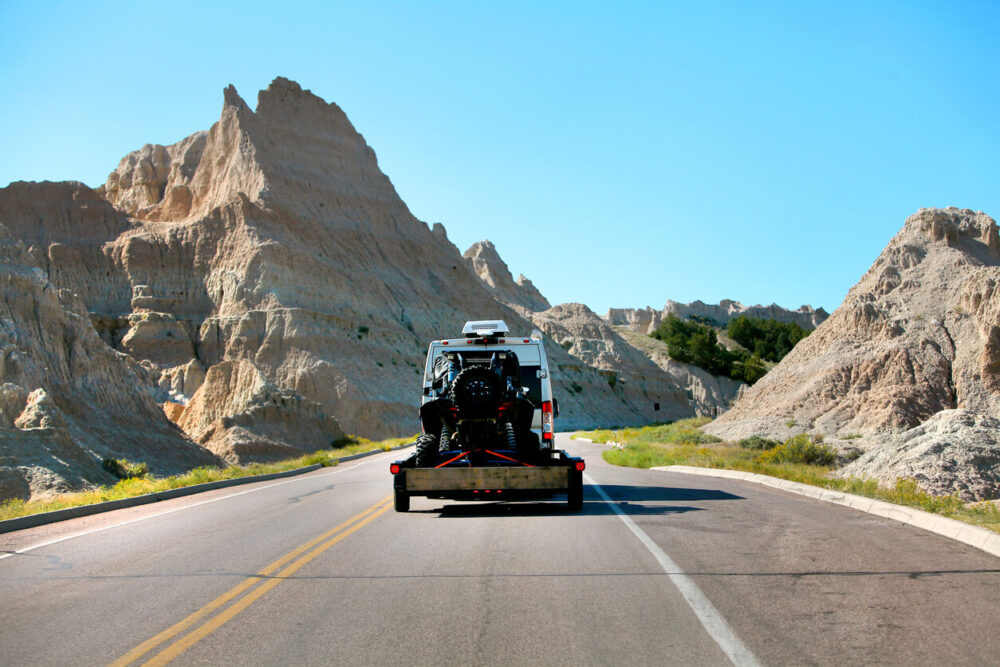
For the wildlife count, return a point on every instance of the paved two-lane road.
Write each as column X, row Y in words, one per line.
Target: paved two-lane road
column 318, row 569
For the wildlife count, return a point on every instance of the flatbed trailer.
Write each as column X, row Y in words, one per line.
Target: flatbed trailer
column 489, row 475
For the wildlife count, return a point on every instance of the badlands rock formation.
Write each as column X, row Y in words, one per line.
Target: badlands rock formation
column 67, row 400
column 271, row 287
column 492, row 270
column 653, row 386
column 911, row 360
column 649, row 393
column 645, row 320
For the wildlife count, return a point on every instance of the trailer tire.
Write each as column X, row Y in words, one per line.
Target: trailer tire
column 574, row 496
column 401, row 501
column 427, row 450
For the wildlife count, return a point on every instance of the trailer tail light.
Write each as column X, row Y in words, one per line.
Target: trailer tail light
column 394, row 468
column 580, row 466
column 547, row 421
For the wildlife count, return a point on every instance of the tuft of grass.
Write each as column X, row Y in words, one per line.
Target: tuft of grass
column 125, row 469
column 758, row 443
column 801, row 460
column 800, row 449
column 141, row 485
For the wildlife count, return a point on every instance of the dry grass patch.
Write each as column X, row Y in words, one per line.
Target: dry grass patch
column 130, row 487
column 799, row 459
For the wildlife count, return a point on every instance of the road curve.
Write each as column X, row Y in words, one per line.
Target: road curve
column 319, row 570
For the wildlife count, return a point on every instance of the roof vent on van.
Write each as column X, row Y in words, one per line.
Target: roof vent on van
column 479, row 328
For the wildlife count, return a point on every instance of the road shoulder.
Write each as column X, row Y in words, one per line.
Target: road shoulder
column 980, row 538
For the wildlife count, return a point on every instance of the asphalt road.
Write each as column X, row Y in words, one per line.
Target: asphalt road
column 319, row 569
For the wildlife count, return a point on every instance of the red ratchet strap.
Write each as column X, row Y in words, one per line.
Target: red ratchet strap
column 508, row 458
column 461, row 454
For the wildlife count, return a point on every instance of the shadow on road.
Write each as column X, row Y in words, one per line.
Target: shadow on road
column 629, row 499
column 551, row 508
column 620, row 492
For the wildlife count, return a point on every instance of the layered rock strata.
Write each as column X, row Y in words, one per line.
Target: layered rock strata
column 67, row 400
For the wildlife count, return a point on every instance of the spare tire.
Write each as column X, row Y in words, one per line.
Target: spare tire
column 476, row 391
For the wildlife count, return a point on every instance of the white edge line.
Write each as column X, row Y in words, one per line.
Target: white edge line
column 186, row 507
column 713, row 622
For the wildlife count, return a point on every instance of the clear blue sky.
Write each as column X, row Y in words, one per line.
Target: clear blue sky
column 617, row 153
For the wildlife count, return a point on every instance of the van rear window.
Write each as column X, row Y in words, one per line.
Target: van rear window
column 530, row 379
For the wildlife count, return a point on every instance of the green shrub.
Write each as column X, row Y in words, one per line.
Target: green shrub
column 758, row 443
column 800, row 449
column 694, row 343
column 749, row 369
column 125, row 469
column 767, row 339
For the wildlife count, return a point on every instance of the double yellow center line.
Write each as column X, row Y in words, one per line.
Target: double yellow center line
column 290, row 563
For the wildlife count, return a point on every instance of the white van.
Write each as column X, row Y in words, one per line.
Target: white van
column 480, row 342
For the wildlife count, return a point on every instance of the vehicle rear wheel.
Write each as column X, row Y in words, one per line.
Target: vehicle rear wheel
column 401, row 501
column 427, row 450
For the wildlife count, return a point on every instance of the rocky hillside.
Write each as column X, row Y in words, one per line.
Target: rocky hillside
column 654, row 393
column 910, row 361
column 645, row 320
column 67, row 400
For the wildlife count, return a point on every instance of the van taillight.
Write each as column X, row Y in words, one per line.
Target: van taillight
column 547, row 421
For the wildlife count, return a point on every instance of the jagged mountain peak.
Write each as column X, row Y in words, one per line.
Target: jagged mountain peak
column 294, row 144
column 485, row 262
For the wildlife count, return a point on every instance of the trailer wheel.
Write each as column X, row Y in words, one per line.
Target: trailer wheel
column 401, row 501
column 574, row 496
